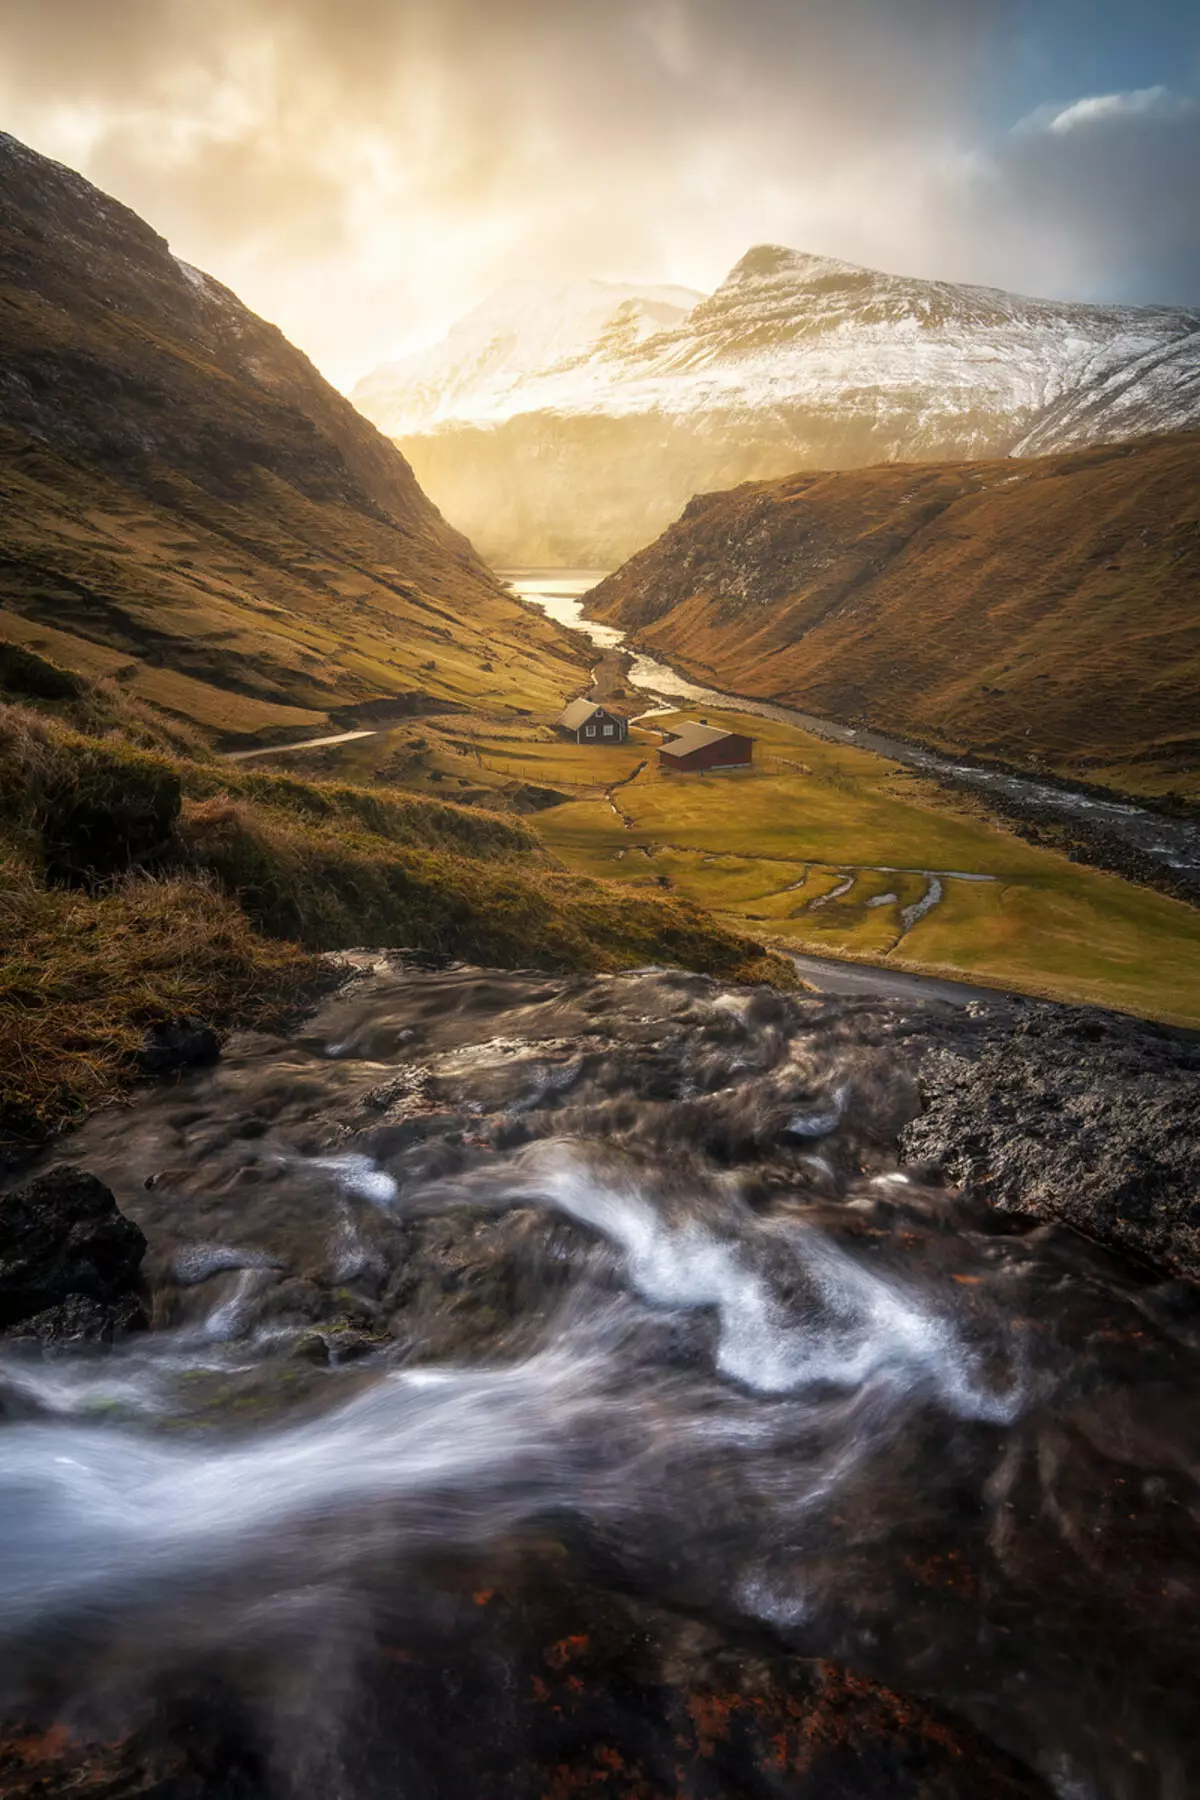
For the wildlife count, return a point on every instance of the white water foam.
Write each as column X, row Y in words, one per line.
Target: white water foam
column 862, row 1323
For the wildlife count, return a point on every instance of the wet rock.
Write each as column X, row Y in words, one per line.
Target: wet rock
column 479, row 1285
column 81, row 1322
column 514, row 1682
column 1063, row 1113
column 176, row 1044
column 63, row 1238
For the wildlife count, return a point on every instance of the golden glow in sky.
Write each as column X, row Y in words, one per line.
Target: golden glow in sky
column 362, row 171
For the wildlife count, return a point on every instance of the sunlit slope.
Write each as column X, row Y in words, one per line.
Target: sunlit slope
column 1039, row 612
column 188, row 508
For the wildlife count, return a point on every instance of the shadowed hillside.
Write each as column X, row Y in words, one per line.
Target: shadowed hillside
column 200, row 540
column 190, row 510
column 1044, row 612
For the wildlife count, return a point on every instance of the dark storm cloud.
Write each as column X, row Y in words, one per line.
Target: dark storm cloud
column 1104, row 196
column 364, row 168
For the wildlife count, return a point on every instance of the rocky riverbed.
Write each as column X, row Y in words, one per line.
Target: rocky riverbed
column 524, row 1386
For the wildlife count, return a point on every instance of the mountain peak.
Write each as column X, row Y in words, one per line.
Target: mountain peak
column 766, row 260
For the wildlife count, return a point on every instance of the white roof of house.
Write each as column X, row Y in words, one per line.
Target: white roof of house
column 697, row 737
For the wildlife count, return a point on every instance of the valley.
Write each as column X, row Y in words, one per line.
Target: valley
column 826, row 847
column 534, row 1269
column 205, row 549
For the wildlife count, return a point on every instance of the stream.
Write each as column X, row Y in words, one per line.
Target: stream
column 560, row 1387
column 1173, row 843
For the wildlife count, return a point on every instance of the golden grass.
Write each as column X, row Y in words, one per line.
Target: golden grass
column 223, row 612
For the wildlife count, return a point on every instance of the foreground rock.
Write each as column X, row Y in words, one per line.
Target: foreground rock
column 69, row 1260
column 517, row 1678
column 1071, row 1114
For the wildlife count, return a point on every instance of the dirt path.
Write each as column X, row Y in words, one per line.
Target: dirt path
column 340, row 737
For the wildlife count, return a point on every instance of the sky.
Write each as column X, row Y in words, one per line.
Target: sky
column 364, row 171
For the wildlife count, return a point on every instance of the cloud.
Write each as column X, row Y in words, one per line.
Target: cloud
column 1098, row 197
column 361, row 172
column 1100, row 110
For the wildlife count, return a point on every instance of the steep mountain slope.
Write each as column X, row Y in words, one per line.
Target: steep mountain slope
column 189, row 509
column 1041, row 611
column 795, row 362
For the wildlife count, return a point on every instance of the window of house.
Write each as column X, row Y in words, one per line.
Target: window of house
column 589, row 731
column 608, row 731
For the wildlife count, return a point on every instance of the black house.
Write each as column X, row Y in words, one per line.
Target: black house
column 588, row 723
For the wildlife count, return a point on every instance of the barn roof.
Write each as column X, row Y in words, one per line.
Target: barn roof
column 697, row 737
column 578, row 713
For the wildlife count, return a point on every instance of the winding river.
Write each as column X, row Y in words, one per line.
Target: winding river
column 1175, row 843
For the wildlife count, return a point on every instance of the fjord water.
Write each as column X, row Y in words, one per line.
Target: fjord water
column 1173, row 842
column 619, row 1275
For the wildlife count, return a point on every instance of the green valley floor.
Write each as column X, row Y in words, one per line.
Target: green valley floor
column 826, row 849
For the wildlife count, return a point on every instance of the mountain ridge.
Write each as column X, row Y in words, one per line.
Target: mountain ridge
column 524, row 330
column 795, row 362
column 1041, row 612
column 192, row 511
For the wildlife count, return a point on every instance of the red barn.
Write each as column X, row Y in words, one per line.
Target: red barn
column 702, row 746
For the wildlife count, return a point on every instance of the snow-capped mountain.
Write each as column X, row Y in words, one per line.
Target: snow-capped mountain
column 528, row 339
column 574, row 426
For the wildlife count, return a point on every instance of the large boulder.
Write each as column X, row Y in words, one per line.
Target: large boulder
column 64, row 1239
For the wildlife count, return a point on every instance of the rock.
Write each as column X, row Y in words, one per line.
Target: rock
column 508, row 1677
column 176, row 1044
column 1072, row 1115
column 62, row 1238
column 477, row 1286
column 81, row 1321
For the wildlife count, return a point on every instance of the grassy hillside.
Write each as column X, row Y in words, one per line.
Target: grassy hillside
column 187, row 509
column 138, row 882
column 1043, row 612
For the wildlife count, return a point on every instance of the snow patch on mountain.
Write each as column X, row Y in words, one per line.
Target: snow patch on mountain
column 789, row 332
column 527, row 338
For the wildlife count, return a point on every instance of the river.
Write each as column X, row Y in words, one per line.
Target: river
column 1173, row 843
column 559, row 1388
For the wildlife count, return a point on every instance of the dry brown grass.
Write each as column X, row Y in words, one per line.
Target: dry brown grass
column 253, row 875
column 82, row 975
column 1042, row 609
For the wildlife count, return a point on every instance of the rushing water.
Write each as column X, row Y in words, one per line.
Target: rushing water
column 1172, row 842
column 495, row 1306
